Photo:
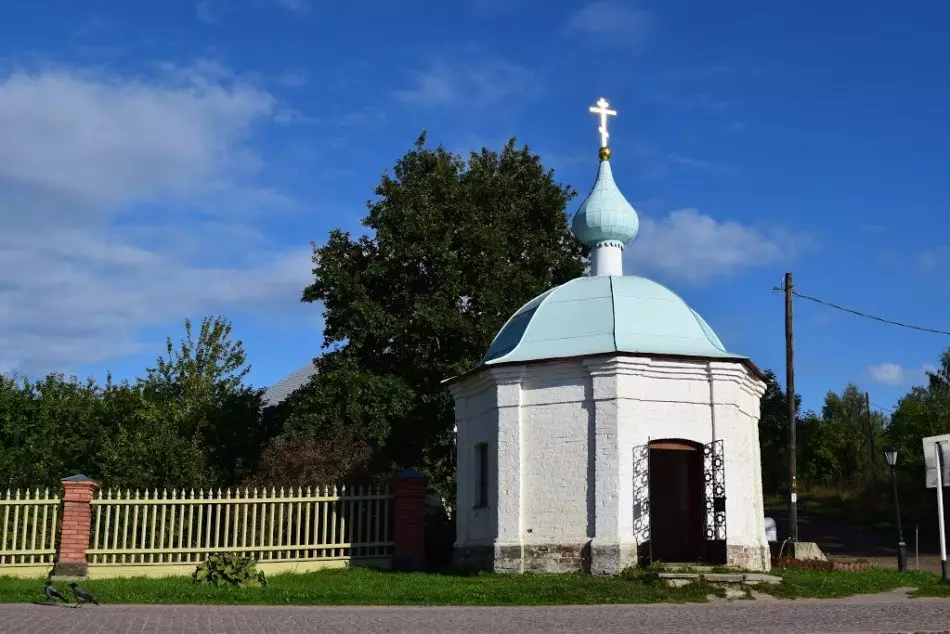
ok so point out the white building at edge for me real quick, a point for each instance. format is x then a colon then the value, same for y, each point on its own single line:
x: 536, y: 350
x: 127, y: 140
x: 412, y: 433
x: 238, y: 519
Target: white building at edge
x: 607, y: 426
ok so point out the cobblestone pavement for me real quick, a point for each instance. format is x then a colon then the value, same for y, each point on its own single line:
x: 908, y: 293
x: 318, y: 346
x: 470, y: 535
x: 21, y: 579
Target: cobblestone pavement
x: 891, y: 613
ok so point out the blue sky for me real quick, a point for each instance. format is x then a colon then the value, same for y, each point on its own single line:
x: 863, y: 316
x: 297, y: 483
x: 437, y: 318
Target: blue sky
x: 168, y: 159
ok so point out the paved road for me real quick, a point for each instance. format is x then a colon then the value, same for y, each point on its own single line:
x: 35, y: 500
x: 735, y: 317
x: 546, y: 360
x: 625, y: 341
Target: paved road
x: 891, y: 613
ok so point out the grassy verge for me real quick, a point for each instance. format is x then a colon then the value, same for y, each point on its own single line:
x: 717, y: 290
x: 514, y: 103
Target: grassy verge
x: 819, y: 584
x: 367, y: 587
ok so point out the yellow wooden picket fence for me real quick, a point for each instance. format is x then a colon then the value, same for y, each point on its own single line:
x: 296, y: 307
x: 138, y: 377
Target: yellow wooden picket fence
x: 156, y: 534
x: 28, y: 533
x: 160, y: 534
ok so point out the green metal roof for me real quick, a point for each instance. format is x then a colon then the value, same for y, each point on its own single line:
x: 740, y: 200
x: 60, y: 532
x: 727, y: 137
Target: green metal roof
x: 603, y: 314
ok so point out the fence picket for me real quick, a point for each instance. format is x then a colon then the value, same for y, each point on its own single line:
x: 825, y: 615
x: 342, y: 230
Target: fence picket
x: 254, y: 506
x: 6, y: 523
x: 191, y: 522
x: 45, y: 516
x: 306, y: 527
x: 95, y: 534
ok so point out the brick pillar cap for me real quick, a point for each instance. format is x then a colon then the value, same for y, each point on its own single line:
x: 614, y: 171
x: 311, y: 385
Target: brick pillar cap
x: 407, y: 474
x: 78, y: 479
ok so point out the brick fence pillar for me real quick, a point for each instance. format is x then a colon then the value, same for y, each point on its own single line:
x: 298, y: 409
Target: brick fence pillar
x: 74, y: 536
x: 409, y: 520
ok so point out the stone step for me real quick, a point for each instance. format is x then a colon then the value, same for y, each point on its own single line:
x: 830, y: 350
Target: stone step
x: 745, y: 578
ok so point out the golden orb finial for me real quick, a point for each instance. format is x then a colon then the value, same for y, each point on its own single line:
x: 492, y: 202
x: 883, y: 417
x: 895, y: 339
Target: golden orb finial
x: 604, y: 153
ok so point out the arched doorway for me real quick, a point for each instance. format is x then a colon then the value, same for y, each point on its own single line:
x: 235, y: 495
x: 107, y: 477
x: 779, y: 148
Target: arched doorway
x: 676, y: 500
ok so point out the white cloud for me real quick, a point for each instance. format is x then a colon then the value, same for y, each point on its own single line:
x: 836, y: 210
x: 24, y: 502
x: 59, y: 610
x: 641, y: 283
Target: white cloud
x: 612, y: 23
x: 478, y: 85
x: 101, y: 182
x: 896, y: 375
x: 696, y: 248
x: 887, y: 373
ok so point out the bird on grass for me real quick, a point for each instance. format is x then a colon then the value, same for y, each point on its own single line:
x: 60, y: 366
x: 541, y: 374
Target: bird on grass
x: 52, y: 594
x: 82, y: 597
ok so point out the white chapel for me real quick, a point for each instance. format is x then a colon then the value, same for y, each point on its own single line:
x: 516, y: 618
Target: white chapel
x: 607, y: 426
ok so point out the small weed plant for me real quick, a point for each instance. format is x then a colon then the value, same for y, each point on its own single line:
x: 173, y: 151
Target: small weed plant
x: 227, y: 569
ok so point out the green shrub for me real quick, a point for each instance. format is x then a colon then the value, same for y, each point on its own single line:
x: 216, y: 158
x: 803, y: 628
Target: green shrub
x: 222, y: 569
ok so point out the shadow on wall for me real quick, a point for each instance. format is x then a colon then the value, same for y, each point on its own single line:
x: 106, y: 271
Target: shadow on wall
x: 440, y: 537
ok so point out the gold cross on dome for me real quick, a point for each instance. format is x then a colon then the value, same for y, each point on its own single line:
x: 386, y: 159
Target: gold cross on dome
x: 603, y: 109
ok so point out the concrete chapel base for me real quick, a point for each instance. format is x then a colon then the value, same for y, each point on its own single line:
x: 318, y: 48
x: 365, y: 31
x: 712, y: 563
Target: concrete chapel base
x: 561, y: 438
x: 610, y: 557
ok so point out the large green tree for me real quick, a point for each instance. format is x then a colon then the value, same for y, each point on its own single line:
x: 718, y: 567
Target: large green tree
x: 924, y: 411
x: 856, y: 436
x: 199, y: 387
x: 773, y: 435
x: 452, y: 249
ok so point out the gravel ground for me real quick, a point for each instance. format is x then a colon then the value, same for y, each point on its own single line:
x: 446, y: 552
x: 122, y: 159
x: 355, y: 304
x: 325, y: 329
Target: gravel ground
x: 887, y: 613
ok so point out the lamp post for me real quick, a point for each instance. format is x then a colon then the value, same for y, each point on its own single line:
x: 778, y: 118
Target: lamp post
x: 890, y: 454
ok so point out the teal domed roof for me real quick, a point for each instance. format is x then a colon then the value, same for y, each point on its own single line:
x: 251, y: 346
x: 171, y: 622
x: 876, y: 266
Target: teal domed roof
x: 605, y: 216
x: 604, y: 314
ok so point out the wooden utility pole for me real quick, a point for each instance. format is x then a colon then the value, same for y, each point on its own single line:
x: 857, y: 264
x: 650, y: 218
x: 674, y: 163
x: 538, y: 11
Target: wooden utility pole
x: 871, y: 443
x: 790, y: 397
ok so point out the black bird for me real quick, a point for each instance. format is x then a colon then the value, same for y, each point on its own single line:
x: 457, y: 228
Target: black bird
x: 52, y: 593
x: 82, y: 597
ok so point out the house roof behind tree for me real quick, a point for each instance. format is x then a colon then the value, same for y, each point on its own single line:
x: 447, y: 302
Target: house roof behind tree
x: 278, y: 392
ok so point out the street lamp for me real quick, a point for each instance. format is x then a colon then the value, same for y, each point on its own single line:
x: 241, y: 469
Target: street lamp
x: 890, y: 454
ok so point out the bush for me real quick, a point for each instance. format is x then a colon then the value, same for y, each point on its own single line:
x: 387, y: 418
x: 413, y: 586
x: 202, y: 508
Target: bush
x: 222, y: 569
x: 292, y: 461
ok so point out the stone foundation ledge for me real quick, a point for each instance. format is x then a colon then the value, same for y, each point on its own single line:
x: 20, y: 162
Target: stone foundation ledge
x: 588, y: 556
x: 756, y: 558
x: 519, y: 558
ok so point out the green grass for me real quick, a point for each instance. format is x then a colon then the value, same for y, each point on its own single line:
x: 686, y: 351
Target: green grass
x: 819, y: 584
x: 367, y: 587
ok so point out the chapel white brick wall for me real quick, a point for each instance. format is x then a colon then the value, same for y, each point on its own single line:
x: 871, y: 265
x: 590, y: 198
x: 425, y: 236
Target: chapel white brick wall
x: 561, y: 437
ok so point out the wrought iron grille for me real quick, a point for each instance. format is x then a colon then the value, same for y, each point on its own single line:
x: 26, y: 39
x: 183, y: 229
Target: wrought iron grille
x: 714, y: 477
x: 641, y: 493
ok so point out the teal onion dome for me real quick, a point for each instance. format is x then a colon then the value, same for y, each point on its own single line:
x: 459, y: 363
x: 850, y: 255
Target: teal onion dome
x: 605, y: 217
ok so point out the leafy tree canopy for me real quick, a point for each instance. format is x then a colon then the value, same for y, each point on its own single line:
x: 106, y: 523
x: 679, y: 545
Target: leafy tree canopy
x: 924, y: 411
x: 453, y: 248
x: 189, y: 422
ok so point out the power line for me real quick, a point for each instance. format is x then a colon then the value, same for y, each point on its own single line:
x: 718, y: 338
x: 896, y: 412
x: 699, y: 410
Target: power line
x: 866, y: 315
x: 882, y: 408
